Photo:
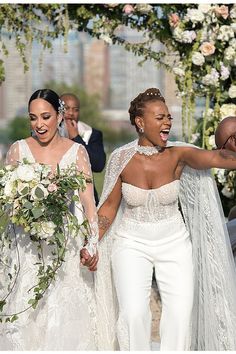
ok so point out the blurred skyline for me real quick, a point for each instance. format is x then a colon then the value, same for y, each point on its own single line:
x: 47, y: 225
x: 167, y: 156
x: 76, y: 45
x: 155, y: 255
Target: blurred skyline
x: 109, y: 71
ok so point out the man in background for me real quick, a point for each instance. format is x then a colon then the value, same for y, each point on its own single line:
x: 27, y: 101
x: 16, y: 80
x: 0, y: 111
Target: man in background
x: 82, y: 133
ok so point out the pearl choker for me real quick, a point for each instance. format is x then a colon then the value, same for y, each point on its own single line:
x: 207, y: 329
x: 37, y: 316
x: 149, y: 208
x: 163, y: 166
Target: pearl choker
x: 148, y: 150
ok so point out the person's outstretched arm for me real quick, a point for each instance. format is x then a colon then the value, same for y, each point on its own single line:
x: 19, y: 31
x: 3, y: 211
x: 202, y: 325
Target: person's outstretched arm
x: 203, y: 159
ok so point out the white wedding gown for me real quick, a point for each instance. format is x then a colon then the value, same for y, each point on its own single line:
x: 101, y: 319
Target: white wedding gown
x: 65, y: 318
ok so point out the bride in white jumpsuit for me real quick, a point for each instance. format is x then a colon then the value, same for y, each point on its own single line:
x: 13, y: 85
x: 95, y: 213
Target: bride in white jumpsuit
x: 144, y: 229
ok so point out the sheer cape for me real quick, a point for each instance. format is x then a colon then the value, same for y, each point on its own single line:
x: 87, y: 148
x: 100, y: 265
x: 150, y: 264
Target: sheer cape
x: 214, y: 310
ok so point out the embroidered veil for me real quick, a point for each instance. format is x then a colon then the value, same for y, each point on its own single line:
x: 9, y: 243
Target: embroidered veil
x: 214, y: 309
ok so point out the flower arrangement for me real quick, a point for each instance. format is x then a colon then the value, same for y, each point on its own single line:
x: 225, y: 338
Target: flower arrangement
x: 199, y: 48
x: 36, y: 202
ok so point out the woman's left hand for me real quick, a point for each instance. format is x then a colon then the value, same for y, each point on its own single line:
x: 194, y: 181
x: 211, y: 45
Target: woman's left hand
x: 88, y: 260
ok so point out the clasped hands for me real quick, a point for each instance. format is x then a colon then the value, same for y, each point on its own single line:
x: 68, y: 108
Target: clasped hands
x: 88, y: 260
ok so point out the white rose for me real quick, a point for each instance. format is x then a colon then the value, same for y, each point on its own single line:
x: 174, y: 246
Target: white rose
x: 47, y: 229
x: 10, y: 189
x: 188, y: 36
x: 39, y: 192
x: 198, y: 59
x: 212, y: 78
x: 224, y: 72
x: 225, y: 33
x: 204, y: 8
x: 227, y: 110
x: 220, y: 172
x: 233, y: 12
x: 227, y: 193
x: 178, y: 71
x: 143, y: 8
x: 232, y: 91
x: 232, y: 43
x: 194, y: 15
x: 229, y: 53
x: 26, y: 173
x: 233, y: 26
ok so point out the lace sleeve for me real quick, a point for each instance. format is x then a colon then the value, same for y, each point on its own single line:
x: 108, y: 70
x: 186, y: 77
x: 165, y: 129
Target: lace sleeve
x: 88, y: 201
x: 12, y: 157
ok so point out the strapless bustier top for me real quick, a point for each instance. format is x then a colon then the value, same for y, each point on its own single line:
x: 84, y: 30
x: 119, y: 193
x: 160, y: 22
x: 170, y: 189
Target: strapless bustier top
x: 152, y: 204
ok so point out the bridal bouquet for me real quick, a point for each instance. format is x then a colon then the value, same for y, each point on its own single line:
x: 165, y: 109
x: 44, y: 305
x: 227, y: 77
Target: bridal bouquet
x: 36, y: 202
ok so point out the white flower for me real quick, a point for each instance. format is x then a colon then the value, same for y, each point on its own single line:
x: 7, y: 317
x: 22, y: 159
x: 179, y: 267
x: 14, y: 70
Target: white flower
x: 220, y: 173
x: 224, y: 72
x: 232, y: 43
x: 106, y: 38
x: 10, y: 189
x: 43, y: 229
x: 211, y: 141
x: 188, y: 36
x: 229, y: 53
x: 233, y: 26
x: 198, y: 59
x: 227, y: 110
x: 178, y: 71
x: 204, y: 8
x: 225, y: 33
x: 26, y: 173
x: 212, y: 78
x: 233, y: 12
x: 232, y: 91
x: 194, y: 138
x: 194, y: 15
x: 227, y: 193
x: 143, y: 8
x: 39, y: 192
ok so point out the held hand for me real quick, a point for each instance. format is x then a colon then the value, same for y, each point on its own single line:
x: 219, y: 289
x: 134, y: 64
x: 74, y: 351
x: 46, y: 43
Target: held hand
x: 88, y: 260
x: 72, y: 128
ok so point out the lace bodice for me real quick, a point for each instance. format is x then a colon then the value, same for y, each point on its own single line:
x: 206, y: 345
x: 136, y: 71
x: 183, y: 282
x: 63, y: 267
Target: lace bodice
x: 150, y: 205
x: 75, y: 154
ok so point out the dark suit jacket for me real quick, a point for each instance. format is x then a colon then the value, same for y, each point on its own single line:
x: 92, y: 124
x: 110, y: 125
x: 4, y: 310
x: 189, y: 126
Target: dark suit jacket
x: 96, y: 153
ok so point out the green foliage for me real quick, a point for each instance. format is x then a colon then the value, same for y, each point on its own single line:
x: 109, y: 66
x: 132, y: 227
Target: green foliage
x: 23, y: 23
x: 18, y: 128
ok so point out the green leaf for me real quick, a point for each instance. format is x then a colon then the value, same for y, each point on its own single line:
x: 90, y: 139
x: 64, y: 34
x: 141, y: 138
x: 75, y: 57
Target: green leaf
x: 37, y: 212
x: 14, y: 318
x: 28, y: 205
x: 39, y: 193
x: 2, y: 304
x: 4, y: 220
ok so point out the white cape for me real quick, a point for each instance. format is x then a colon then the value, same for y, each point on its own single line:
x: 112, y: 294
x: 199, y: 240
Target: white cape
x: 214, y: 310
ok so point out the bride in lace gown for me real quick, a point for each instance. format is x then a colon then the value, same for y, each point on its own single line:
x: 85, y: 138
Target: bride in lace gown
x: 141, y: 227
x: 65, y: 318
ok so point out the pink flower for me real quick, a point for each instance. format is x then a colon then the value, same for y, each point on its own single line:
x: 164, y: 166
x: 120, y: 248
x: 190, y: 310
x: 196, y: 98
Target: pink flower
x: 174, y: 20
x: 52, y: 187
x: 222, y: 11
x: 128, y: 9
x: 207, y: 48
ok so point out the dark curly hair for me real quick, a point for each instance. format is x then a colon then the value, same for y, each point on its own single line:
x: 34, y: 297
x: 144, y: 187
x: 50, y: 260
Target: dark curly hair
x: 139, y: 102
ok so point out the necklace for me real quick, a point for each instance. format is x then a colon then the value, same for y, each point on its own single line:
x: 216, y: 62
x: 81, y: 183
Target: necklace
x: 148, y: 150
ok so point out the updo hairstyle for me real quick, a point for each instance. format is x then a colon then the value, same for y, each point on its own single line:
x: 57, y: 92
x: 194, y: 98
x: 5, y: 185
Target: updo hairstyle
x: 139, y: 102
x: 48, y: 95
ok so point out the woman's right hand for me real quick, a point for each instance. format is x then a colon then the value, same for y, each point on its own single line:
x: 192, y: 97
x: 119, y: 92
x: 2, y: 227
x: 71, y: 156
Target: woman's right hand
x: 88, y: 260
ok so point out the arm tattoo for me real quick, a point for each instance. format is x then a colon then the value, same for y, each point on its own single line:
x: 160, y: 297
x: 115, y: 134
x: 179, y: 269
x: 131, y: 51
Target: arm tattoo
x: 228, y: 155
x: 103, y: 222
